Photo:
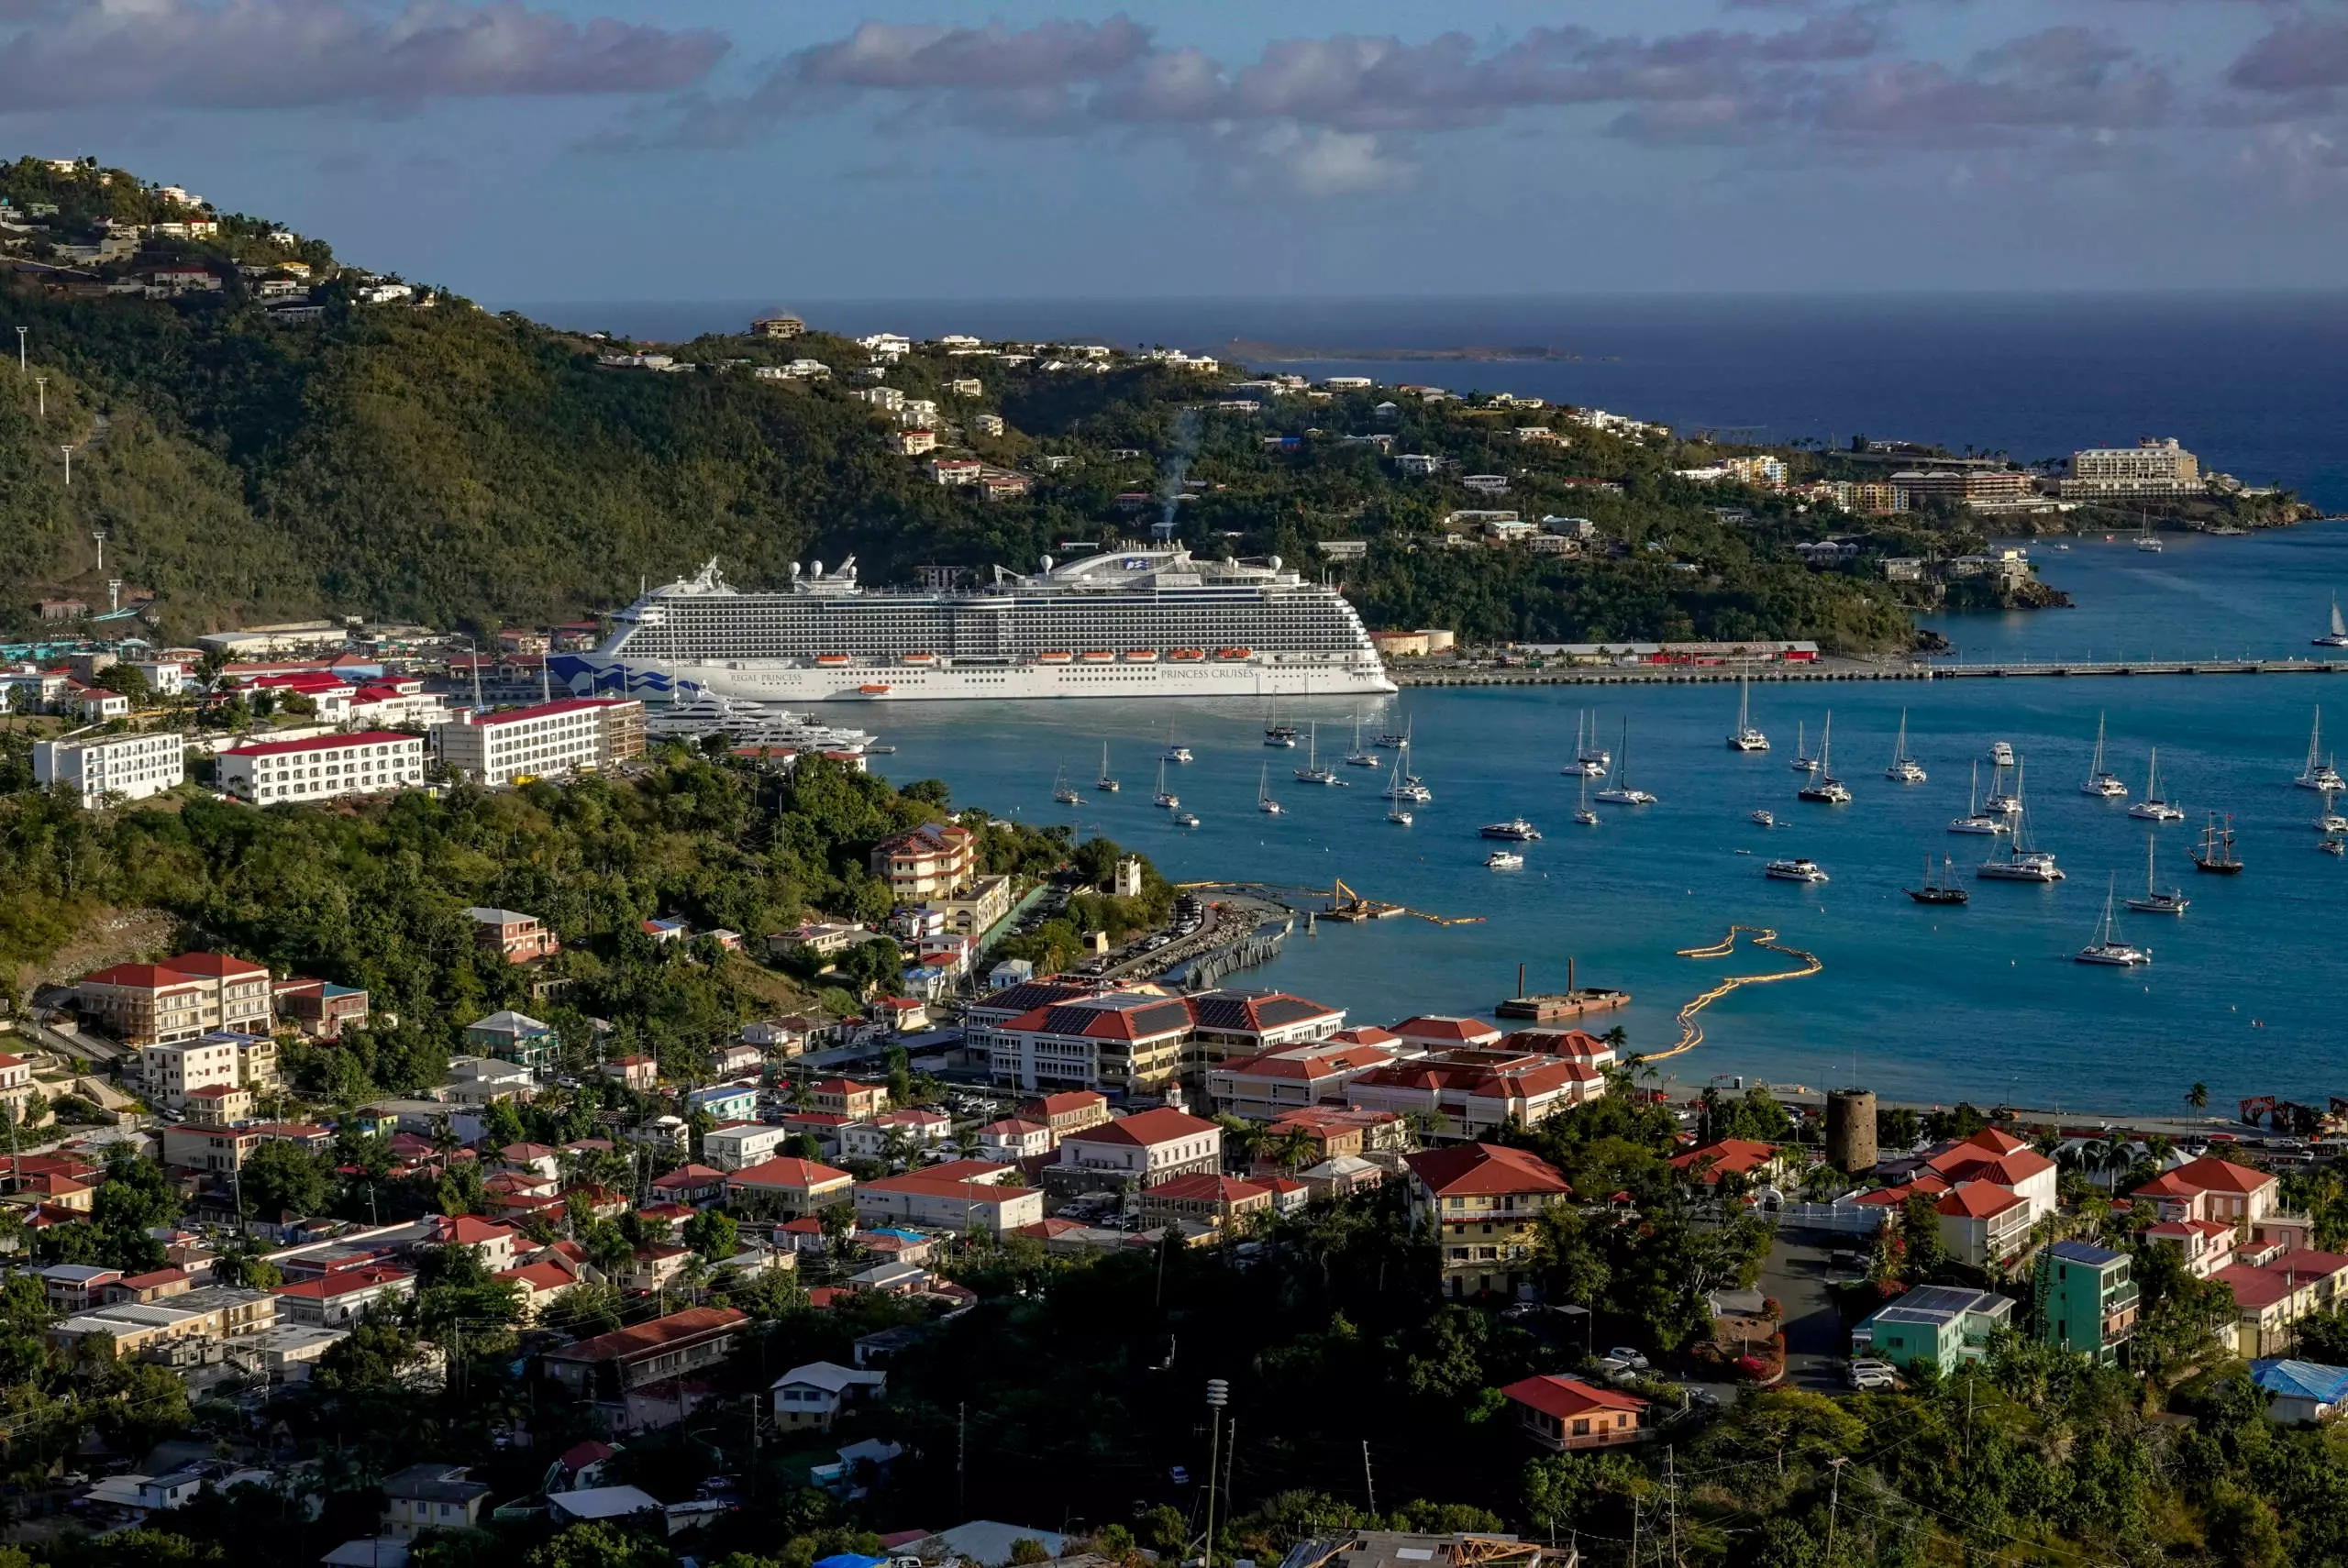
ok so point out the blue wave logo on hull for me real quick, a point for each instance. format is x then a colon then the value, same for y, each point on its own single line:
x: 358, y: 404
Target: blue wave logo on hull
x: 586, y: 678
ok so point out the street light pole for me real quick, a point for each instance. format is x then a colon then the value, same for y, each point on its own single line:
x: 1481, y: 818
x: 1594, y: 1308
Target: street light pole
x: 21, y: 349
x: 1833, y: 1502
x: 1218, y: 1395
x: 68, y: 466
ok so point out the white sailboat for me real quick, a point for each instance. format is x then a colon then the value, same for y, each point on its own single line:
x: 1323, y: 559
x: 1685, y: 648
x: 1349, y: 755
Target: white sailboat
x: 1999, y: 802
x: 2146, y: 540
x: 1823, y: 787
x: 2155, y: 807
x: 2100, y: 780
x: 1062, y: 790
x: 1174, y: 753
x: 1745, y: 737
x: 1975, y: 820
x: 2022, y: 863
x: 1591, y: 760
x: 1412, y: 789
x: 1105, y: 784
x: 1358, y: 758
x: 1904, y: 768
x: 1396, y: 812
x: 1583, y: 815
x: 2338, y: 636
x: 1264, y: 801
x: 1619, y: 792
x: 2318, y: 774
x: 2155, y: 901
x: 1313, y: 772
x: 1803, y: 762
x: 2107, y: 947
x: 1162, y: 801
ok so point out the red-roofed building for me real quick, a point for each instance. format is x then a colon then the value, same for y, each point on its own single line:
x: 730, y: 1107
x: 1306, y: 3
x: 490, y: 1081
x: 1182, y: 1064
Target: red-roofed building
x: 535, y: 1283
x: 333, y: 1300
x: 1338, y: 1130
x: 1147, y: 1147
x: 2248, y: 1201
x: 1216, y: 1200
x: 2000, y: 1157
x: 644, y: 1377
x: 931, y: 861
x: 639, y: 1073
x: 1073, y: 1110
x: 959, y: 1196
x: 1444, y: 1032
x: 1983, y: 1224
x: 787, y: 1189
x: 1474, y: 1094
x: 846, y: 1097
x: 698, y: 1186
x: 1566, y: 1415
x: 1233, y: 1024
x: 324, y: 768
x: 1124, y: 1042
x: 1265, y: 1088
x: 494, y: 1244
x: 1729, y: 1157
x: 1485, y: 1202
x: 2272, y: 1298
x: 178, y: 998
x: 1577, y: 1044
x: 2205, y: 1245
x: 574, y: 734
x: 1013, y: 1139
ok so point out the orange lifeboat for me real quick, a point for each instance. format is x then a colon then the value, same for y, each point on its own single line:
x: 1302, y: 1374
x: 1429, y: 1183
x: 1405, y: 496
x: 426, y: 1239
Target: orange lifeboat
x: 1186, y: 655
x: 831, y: 660
x: 1233, y: 653
x: 921, y: 658
x: 1053, y: 657
x: 1098, y: 655
x: 1142, y: 656
x: 878, y: 689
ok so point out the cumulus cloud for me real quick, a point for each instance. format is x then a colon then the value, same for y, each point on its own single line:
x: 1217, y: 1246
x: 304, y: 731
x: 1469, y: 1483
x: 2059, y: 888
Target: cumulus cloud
x: 2303, y: 54
x: 290, y: 53
x: 1049, y: 55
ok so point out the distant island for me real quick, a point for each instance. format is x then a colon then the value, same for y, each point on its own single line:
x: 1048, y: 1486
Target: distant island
x: 1249, y: 351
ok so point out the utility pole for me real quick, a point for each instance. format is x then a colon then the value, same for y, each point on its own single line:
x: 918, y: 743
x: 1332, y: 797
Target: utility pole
x: 1368, y: 1482
x: 1218, y: 1395
x: 68, y: 466
x: 97, y: 533
x: 1672, y: 1492
x: 21, y: 349
x: 961, y: 1452
x: 1833, y: 1502
x: 40, y: 392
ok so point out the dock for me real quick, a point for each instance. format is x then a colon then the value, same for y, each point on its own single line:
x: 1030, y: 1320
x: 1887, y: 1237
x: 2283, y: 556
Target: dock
x: 1549, y: 1007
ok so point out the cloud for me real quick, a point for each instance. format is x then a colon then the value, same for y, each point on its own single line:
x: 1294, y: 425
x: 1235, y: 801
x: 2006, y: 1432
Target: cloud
x: 1051, y: 54
x: 2300, y: 55
x: 1310, y: 161
x: 292, y: 53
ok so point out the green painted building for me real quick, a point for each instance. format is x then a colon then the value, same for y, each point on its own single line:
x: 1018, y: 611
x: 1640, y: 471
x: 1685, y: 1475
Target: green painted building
x: 1943, y: 1324
x: 2084, y: 1299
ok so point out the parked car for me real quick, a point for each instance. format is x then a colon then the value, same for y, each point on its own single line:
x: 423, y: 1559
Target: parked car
x: 1628, y: 1357
x: 1869, y: 1377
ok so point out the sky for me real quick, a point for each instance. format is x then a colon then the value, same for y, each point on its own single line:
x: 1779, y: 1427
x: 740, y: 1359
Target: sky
x: 799, y: 151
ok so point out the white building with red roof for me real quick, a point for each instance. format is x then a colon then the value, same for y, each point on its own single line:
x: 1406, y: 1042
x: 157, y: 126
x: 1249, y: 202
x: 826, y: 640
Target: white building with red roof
x: 2000, y: 1157
x: 2272, y: 1297
x: 1984, y: 1224
x: 494, y: 1244
x: 335, y: 1298
x: 401, y: 702
x: 960, y: 1195
x: 1446, y: 1032
x: 787, y: 1187
x: 1474, y: 1094
x: 177, y: 998
x: 1576, y: 1045
x: 2248, y: 1202
x: 1484, y: 1202
x: 1268, y: 1087
x: 324, y: 768
x: 1121, y: 1043
x: 1147, y: 1147
x: 1229, y: 1024
x: 1013, y: 1139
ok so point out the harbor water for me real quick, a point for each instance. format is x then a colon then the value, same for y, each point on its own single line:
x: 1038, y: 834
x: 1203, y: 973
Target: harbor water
x: 1929, y: 1004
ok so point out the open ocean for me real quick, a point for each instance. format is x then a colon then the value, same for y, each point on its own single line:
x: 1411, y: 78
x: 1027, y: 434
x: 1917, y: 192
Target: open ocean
x: 1932, y: 1005
x: 2254, y: 383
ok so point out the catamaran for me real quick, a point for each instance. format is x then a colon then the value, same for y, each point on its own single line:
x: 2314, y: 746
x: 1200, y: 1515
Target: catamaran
x: 1174, y: 753
x: 1358, y: 758
x: 1162, y: 801
x: 1105, y: 784
x: 1062, y: 790
x: 2100, y: 780
x: 1745, y: 737
x: 1975, y: 820
x: 2022, y: 863
x: 1801, y: 869
x: 1825, y: 787
x: 1515, y: 828
x: 1591, y: 760
x: 1313, y: 772
x: 2318, y: 774
x: 1619, y: 792
x: 2155, y: 807
x: 1803, y: 762
x: 1904, y: 768
x: 2146, y: 540
x: 2155, y: 901
x: 2107, y: 947
x: 1394, y: 740
x: 2338, y: 636
x: 1264, y: 801
x: 1999, y: 802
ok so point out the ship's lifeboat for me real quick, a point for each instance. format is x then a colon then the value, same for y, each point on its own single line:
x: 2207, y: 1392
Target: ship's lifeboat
x: 921, y: 658
x: 1142, y: 656
x: 877, y: 689
x: 1098, y: 655
x: 1233, y: 653
x: 1053, y: 657
x: 831, y: 660
x: 1186, y: 655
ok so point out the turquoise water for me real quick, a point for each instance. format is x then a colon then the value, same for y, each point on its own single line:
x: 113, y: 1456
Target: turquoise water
x: 1983, y: 1001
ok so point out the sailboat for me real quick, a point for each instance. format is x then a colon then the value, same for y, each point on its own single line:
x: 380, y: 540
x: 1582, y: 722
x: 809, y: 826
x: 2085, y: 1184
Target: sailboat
x: 2155, y: 807
x: 2107, y: 947
x: 2329, y: 820
x: 1358, y: 758
x: 1313, y: 772
x: 2338, y: 636
x: 1591, y: 760
x: 1174, y: 753
x: 1998, y: 802
x: 1393, y: 740
x: 1062, y: 790
x: 1583, y: 815
x: 1105, y: 784
x: 2146, y: 540
x: 1823, y: 787
x: 2100, y: 780
x: 1264, y: 801
x: 1945, y: 891
x: 1411, y: 788
x: 1904, y: 768
x: 1745, y: 737
x: 1396, y: 812
x: 1803, y: 762
x: 2215, y: 853
x: 1975, y: 820
x: 2318, y: 774
x: 2154, y: 902
x: 1279, y: 734
x: 2022, y: 863
x: 1162, y: 801
x: 1619, y: 792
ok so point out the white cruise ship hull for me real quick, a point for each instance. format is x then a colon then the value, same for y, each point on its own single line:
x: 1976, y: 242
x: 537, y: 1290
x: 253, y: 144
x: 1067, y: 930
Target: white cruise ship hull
x: 789, y: 681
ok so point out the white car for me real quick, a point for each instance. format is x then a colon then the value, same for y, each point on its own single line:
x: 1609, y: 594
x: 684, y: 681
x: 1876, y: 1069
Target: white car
x: 1628, y: 1357
x: 1868, y: 1376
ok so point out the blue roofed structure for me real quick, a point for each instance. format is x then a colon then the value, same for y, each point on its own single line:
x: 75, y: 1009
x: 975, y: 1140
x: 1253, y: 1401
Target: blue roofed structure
x: 2301, y: 1390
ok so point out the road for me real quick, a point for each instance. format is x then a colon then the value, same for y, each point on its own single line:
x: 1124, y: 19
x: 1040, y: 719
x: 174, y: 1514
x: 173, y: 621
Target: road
x: 1795, y: 1274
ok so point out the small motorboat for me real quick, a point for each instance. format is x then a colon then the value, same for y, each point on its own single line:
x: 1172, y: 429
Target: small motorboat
x: 1764, y: 819
x: 1799, y: 869
x: 1186, y: 819
x: 1515, y: 828
x: 1503, y: 860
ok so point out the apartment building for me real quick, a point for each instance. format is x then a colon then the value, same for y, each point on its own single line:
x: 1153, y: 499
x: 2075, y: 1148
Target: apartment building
x: 102, y: 767
x: 177, y: 998
x: 324, y: 768
x: 519, y: 937
x: 1473, y: 1094
x: 651, y: 1374
x: 960, y: 1196
x: 1124, y: 1042
x: 1267, y: 1087
x: 570, y: 735
x: 1232, y: 1023
x: 931, y: 861
x: 1145, y: 1148
x: 2084, y: 1299
x: 1988, y: 488
x: 2153, y: 467
x: 1485, y: 1204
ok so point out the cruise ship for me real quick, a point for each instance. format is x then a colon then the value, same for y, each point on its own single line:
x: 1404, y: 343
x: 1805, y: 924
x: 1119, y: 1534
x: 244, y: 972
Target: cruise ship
x: 1136, y: 622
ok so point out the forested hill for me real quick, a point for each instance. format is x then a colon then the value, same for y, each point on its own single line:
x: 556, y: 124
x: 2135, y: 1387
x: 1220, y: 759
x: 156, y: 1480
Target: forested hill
x: 423, y: 458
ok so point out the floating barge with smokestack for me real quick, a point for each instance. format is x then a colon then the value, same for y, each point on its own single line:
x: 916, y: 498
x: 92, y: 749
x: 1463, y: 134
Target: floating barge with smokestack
x: 1574, y: 1001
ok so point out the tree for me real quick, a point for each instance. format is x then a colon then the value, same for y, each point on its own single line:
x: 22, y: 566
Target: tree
x: 839, y: 1221
x: 280, y: 1177
x: 714, y: 1234
x: 1922, y: 1250
x: 2198, y: 1096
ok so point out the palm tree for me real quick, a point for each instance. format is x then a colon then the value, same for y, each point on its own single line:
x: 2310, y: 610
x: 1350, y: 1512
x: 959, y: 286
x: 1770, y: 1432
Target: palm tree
x: 2198, y: 1096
